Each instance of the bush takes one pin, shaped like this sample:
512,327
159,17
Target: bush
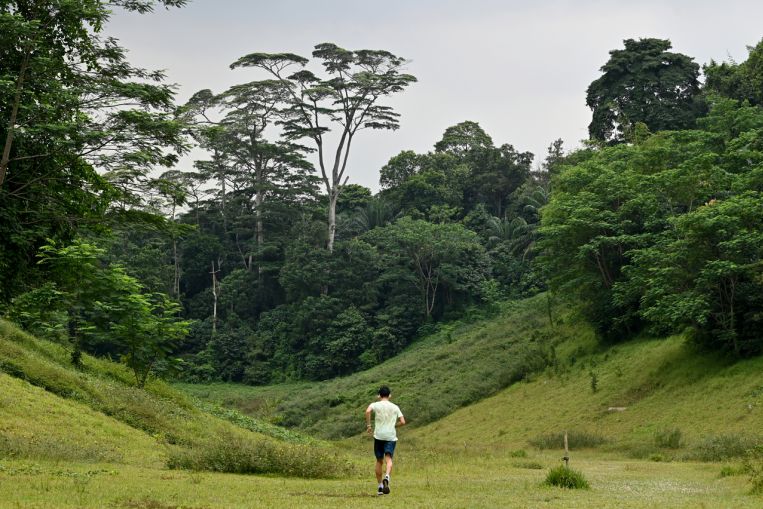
721,448
669,439
753,465
531,465
564,477
575,439
235,454
730,471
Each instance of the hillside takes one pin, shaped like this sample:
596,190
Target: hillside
462,362
50,411
512,378
655,398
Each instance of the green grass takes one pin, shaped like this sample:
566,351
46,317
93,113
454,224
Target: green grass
66,445
646,386
424,478
51,411
458,365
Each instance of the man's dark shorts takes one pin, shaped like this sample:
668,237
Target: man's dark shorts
382,447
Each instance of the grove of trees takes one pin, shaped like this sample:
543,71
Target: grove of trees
263,263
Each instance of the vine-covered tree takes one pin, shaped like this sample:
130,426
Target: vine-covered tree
643,83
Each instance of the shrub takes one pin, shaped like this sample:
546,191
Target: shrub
669,439
575,439
753,465
235,454
721,448
565,477
532,465
730,471
520,453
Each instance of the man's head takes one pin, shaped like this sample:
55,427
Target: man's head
384,391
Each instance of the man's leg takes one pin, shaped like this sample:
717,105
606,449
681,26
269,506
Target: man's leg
385,487
379,462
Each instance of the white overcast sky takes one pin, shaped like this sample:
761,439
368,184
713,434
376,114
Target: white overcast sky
519,68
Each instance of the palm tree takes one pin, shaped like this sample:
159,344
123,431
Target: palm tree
520,232
516,233
377,212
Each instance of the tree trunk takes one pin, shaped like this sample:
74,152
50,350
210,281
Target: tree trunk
214,294
176,276
6,157
333,197
73,329
260,238
259,199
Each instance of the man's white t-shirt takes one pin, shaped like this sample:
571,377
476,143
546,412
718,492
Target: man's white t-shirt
386,415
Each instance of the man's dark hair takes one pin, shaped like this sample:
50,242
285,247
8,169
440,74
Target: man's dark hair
384,391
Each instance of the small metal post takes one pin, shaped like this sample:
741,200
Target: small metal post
566,452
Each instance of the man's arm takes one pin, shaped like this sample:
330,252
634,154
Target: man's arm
401,421
369,430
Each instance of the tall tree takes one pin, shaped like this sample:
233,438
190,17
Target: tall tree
261,167
348,98
444,259
71,104
60,68
464,138
643,83
399,169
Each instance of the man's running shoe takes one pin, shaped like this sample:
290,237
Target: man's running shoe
381,491
385,489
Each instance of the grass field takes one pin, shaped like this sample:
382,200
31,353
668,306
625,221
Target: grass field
643,434
424,478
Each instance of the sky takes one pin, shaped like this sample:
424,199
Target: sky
518,68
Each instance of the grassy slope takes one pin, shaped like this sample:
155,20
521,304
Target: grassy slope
662,384
460,364
35,423
49,411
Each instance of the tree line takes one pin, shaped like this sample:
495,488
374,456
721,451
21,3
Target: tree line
657,225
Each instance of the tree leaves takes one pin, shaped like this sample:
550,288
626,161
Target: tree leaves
643,83
666,231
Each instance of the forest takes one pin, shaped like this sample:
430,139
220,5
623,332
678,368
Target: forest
264,263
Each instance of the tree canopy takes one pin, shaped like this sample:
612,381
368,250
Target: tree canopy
646,83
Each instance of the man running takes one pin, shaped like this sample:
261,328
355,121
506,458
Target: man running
386,416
